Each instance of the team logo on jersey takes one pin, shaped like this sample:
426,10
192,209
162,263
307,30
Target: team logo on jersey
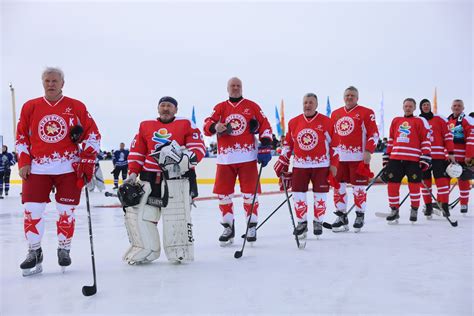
161,137
404,130
52,128
307,139
238,124
345,126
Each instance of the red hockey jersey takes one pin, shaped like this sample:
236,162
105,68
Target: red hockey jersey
153,133
409,139
311,141
43,135
440,137
462,129
240,145
356,131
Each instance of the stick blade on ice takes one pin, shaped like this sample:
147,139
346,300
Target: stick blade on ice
89,290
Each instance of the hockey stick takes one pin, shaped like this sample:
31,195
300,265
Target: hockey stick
329,226
268,217
384,215
453,203
108,194
298,244
239,253
86,289
453,223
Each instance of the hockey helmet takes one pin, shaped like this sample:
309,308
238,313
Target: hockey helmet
454,170
130,194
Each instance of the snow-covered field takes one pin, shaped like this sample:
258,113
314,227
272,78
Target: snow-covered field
404,269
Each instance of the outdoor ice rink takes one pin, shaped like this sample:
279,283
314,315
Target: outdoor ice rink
403,269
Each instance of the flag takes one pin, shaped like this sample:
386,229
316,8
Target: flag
435,102
193,117
382,125
278,122
328,108
282,117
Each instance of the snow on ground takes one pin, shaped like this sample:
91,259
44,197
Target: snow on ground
407,269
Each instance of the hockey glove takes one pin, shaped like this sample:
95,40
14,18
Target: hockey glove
425,164
285,178
227,131
84,168
253,126
364,170
282,165
264,155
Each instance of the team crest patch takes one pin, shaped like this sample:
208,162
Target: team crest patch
404,130
238,124
161,137
345,126
307,139
52,128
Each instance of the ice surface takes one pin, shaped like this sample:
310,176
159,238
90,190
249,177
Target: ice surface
425,268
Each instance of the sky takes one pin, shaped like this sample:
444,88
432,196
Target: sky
120,57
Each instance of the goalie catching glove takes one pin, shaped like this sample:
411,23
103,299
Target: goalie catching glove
171,155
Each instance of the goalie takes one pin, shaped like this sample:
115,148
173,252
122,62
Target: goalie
161,183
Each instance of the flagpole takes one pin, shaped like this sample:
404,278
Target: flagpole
12,91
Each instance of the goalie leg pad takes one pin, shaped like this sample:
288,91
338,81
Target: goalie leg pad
178,240
140,221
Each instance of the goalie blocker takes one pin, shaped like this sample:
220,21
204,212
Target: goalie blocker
167,198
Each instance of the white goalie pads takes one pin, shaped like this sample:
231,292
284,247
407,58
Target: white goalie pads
178,240
141,223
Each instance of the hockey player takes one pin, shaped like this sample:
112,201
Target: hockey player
120,162
310,136
442,152
462,128
50,133
408,154
236,121
180,146
357,134
7,160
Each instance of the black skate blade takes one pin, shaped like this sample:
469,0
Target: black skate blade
89,290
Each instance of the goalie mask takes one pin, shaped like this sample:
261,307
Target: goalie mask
130,194
454,170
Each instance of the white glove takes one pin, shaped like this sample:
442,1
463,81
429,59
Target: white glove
132,178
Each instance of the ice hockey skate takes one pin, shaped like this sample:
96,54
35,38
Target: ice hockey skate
33,262
413,215
227,237
301,230
393,217
341,224
428,211
463,209
359,222
64,260
317,228
252,233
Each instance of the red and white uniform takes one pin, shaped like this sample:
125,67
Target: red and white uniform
311,140
43,141
237,153
409,139
153,133
240,145
356,131
441,138
441,146
462,128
